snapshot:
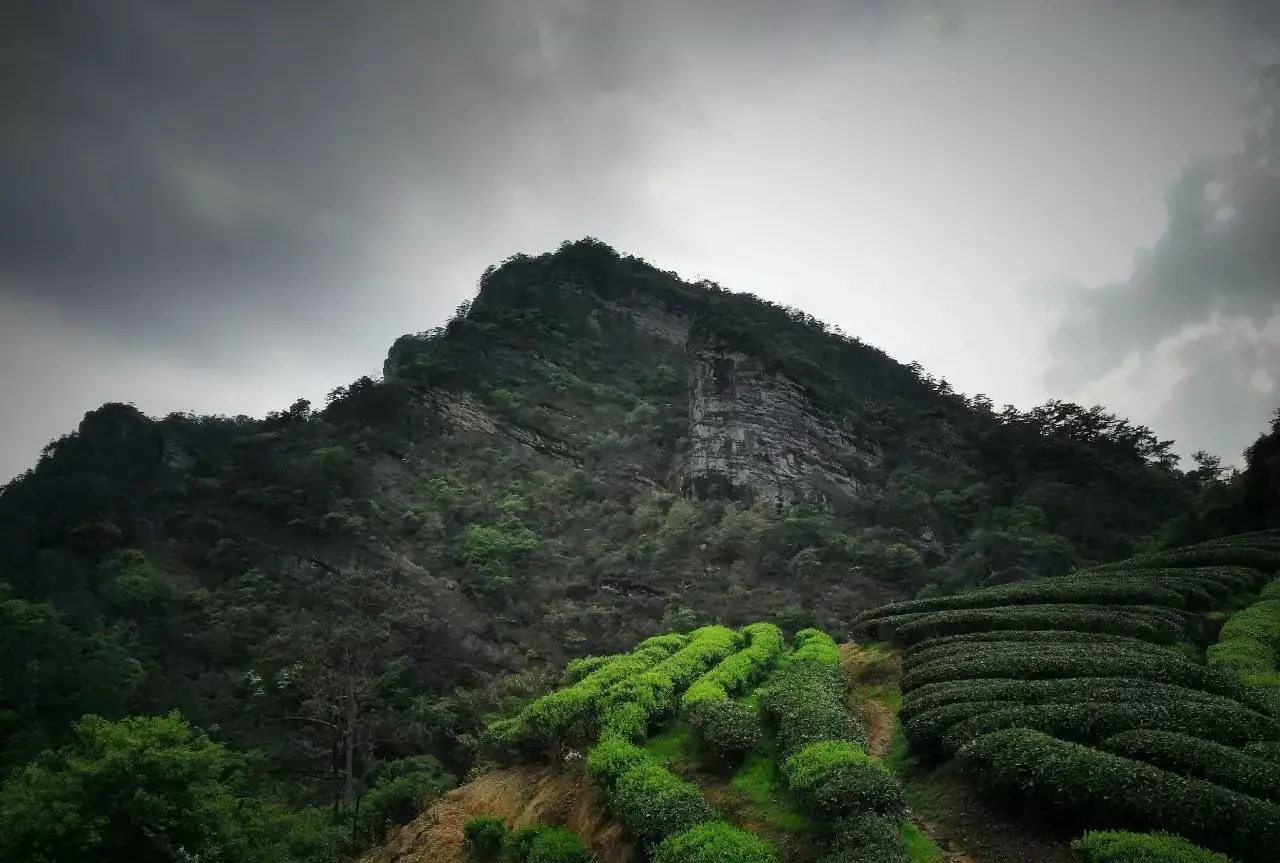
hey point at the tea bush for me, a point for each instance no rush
(1162, 625)
(836, 777)
(1093, 722)
(654, 803)
(805, 700)
(1120, 847)
(714, 842)
(1202, 759)
(1098, 789)
(486, 836)
(1045, 661)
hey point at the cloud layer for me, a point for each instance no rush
(236, 203)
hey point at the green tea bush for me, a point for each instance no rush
(576, 669)
(1062, 689)
(486, 836)
(1264, 560)
(654, 803)
(925, 730)
(1267, 750)
(612, 757)
(1103, 846)
(1094, 590)
(920, 656)
(1259, 622)
(738, 671)
(729, 729)
(1093, 722)
(628, 707)
(805, 699)
(1085, 786)
(1040, 636)
(714, 842)
(1034, 662)
(1161, 625)
(568, 712)
(1201, 759)
(866, 838)
(542, 843)
(836, 777)
(1271, 590)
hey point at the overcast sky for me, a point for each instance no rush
(223, 206)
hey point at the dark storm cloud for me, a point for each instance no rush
(199, 163)
(1205, 298)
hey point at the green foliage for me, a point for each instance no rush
(1145, 622)
(486, 836)
(1264, 560)
(1086, 786)
(1095, 721)
(919, 847)
(1268, 750)
(1271, 590)
(398, 792)
(836, 777)
(926, 698)
(654, 803)
(923, 655)
(568, 713)
(51, 674)
(804, 700)
(1249, 647)
(542, 843)
(612, 757)
(628, 707)
(714, 842)
(1104, 846)
(1038, 661)
(867, 837)
(728, 728)
(739, 670)
(144, 789)
(131, 582)
(1202, 759)
(1065, 636)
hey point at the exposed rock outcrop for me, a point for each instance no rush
(756, 436)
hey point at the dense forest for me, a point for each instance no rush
(274, 639)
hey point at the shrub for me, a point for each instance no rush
(1259, 622)
(1098, 789)
(1120, 847)
(836, 777)
(1093, 722)
(629, 705)
(1202, 759)
(1065, 689)
(1061, 636)
(1160, 625)
(576, 669)
(814, 645)
(925, 730)
(485, 836)
(567, 712)
(654, 803)
(736, 672)
(541, 843)
(866, 838)
(612, 757)
(1263, 560)
(1092, 589)
(805, 703)
(729, 729)
(1043, 661)
(1267, 750)
(919, 656)
(1271, 590)
(714, 842)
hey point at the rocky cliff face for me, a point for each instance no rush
(755, 435)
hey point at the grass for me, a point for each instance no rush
(674, 745)
(762, 797)
(920, 848)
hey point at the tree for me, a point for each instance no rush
(141, 790)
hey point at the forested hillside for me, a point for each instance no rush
(590, 453)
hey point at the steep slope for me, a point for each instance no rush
(589, 452)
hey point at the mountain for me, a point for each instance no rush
(591, 451)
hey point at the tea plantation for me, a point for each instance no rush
(1138, 700)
